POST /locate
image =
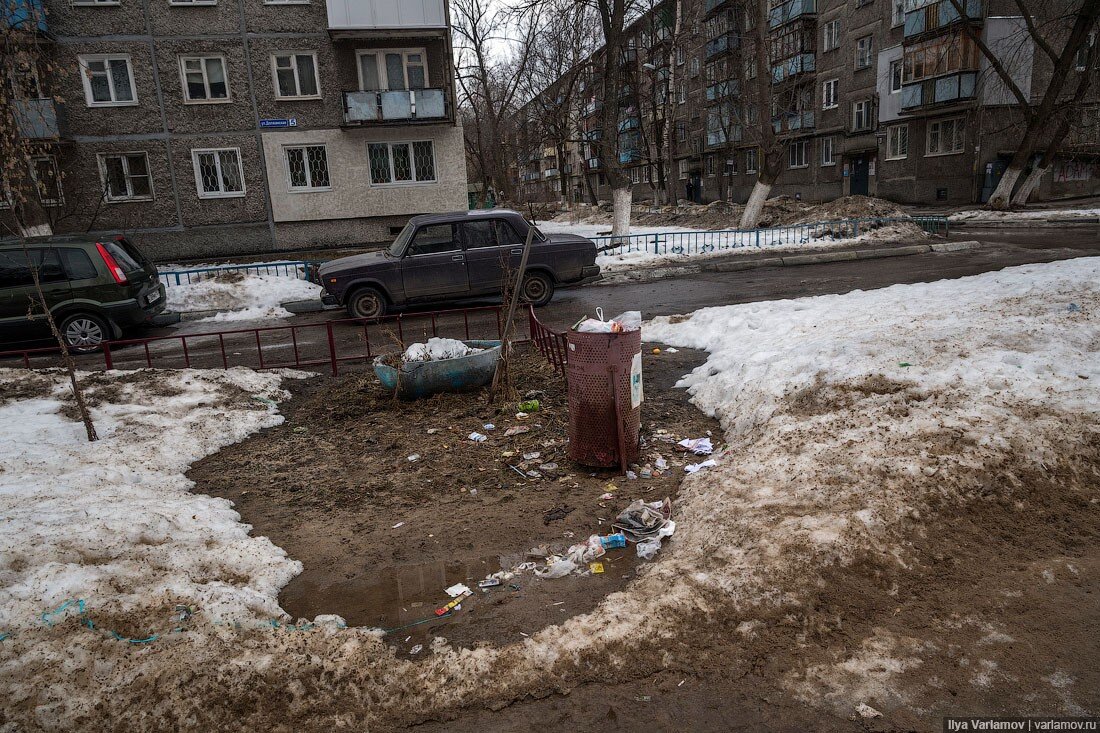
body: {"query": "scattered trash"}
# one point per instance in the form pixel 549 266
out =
pixel 628 321
pixel 558 512
pixel 399 524
pixel 866 711
pixel 487 427
pixel 670 350
pixel 648 548
pixel 656 350
pixel 608 496
pixel 473 492
pixel 548 467
pixel 516 430
pixel 642 520
pixel 661 464
pixel 595 567
pixel 693 467
pixel 521 473
pixel 416 649
pixel 558 567
pixel 698 446
pixel 612 541
pixel 904 364
pixel 457 590
pixel 432 431
pixel 478 437
pixel 1073 308
pixel 631 475
pixel 414 458
pixel 534 474
pixel 522 416
pixel 646 473
pixel 529 406
pixel 437 349
pixel 642 698
pixel 489 583
pixel 453 605
pixel 531 456
pixel 301 429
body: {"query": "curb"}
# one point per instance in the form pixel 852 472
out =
pixel 1073 223
pixel 294 306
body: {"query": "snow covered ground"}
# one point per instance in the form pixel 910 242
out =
pixel 1023 216
pixel 241 296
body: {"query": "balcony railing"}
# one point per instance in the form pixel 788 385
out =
pixel 718 45
pixel 722 89
pixel 405 105
pixel 938 15
pixel 788 11
pixel 942 90
pixel 36 119
pixel 791 121
pixel 803 63
pixel 550 173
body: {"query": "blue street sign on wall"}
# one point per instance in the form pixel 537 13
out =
pixel 291 122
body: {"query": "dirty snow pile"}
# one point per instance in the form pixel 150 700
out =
pixel 238 296
pixel 114 522
pixel 1030 215
pixel 437 349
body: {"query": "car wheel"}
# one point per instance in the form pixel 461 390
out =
pixel 84 332
pixel 367 303
pixel 537 289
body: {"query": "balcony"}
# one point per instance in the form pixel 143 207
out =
pixel 359 18
pixel 939 15
pixel 803 63
pixel 719 45
pixel 790 10
pixel 593 164
pixel 723 89
pixel 591 109
pixel 404 106
pixel 36 119
pixel 792 121
pixel 711 5
pixel 958 87
pixel 550 173
pixel 24 15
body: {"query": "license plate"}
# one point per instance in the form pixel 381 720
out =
pixel 153 296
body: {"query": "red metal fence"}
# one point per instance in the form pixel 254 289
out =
pixel 550 343
pixel 327 344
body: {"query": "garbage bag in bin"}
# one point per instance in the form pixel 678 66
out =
pixel 604 373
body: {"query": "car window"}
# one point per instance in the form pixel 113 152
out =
pixel 78 264
pixel 14 271
pixel 124 259
pixel 507 234
pixel 49 265
pixel 479 234
pixel 434 239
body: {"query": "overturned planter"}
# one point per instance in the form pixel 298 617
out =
pixel 423 378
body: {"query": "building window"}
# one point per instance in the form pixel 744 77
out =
pixel 796 154
pixel 694 66
pixel 708 166
pixel 192 2
pixel 897 13
pixel 218 173
pixel 895 76
pixel 683 168
pixel 204 78
pixel 47 180
pixel 635 175
pixel 402 162
pixel 750 160
pixel 682 93
pixel 897 142
pixel 940 56
pixel 946 137
pixel 750 67
pixel 108 81
pixel 295 75
pixel 828 154
pixel 307 168
pixel 125 177
pixel 1081 62
pixel 829 98
pixel 831 33
pixel 393 69
pixel 286 2
pixel 681 132
pixel 863 52
pixel 861 115
pixel 679 55
pixel 94 3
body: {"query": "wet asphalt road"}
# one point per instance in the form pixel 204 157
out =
pixel 1001 248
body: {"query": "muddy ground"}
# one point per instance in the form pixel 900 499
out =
pixel 380 536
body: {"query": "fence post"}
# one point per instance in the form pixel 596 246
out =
pixel 856 224
pixel 656 243
pixel 331 348
pixel 107 360
pixel 758 236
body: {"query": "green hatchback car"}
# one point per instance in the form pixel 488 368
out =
pixel 95 288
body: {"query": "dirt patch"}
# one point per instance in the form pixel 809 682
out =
pixel 27 385
pixel 381 533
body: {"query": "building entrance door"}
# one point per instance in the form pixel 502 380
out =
pixel 860 177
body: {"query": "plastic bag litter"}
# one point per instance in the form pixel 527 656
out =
pixel 693 467
pixel 559 567
pixel 648 548
pixel 698 446
pixel 628 321
pixel 641 520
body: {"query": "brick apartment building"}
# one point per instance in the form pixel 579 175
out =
pixel 882 97
pixel 221 126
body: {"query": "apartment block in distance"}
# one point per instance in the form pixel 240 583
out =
pixel 886 98
pixel 209 127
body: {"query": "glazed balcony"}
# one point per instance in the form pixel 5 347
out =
pixel 790 10
pixel 793 121
pixel 401 106
pixel 794 67
pixel 943 90
pixel 356 18
pixel 723 89
pixel 943 14
pixel 36 119
pixel 724 43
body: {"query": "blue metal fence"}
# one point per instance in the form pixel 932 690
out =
pixel 298 269
pixel 694 243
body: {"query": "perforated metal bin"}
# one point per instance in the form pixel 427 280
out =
pixel 604 424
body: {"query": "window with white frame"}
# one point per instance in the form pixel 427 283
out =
pixel 125 176
pixel 192 2
pixel 796 154
pixel 108 80
pixel 897 142
pixel 682 93
pixel 896 69
pixel 829 98
pixel 831 36
pixel 47 180
pixel 204 78
pixel 307 167
pixel 683 168
pixel 694 66
pixel 897 13
pixel 679 55
pixel 864 47
pixel 295 75
pixel 635 175
pixel 681 132
pixel 286 2
pixel 750 160
pixel 218 172
pixel 402 162
pixel 94 3
pixel 708 166
pixel 861 115
pixel 946 137
pixel 1081 61
pixel 828 152
pixel 393 69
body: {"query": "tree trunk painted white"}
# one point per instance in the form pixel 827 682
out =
pixel 1002 195
pixel 1029 185
pixel 754 207
pixel 620 211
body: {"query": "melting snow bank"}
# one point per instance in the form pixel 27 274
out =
pixel 1031 215
pixel 837 454
pixel 241 296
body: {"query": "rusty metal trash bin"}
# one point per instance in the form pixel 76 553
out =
pixel 604 373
